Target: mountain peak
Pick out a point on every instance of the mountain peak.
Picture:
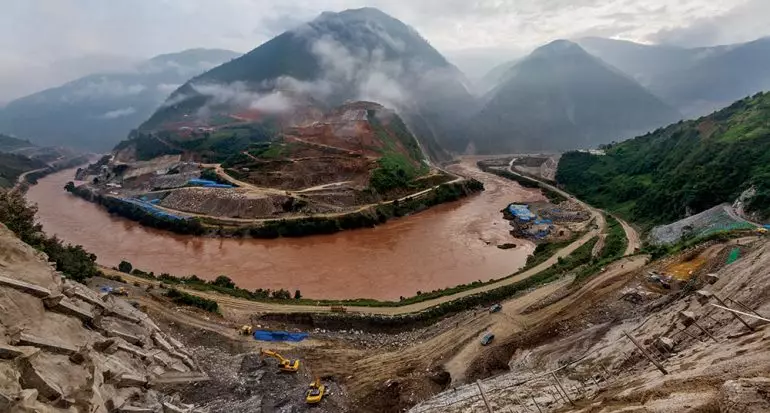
(559, 48)
(363, 13)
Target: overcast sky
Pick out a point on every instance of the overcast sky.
(46, 42)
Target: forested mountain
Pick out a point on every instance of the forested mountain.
(696, 81)
(361, 54)
(561, 97)
(682, 169)
(97, 111)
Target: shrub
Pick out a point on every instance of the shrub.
(182, 298)
(72, 260)
(125, 267)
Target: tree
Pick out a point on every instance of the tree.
(224, 281)
(297, 295)
(18, 216)
(70, 186)
(282, 294)
(125, 267)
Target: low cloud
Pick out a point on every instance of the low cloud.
(119, 113)
(106, 88)
(240, 95)
(167, 88)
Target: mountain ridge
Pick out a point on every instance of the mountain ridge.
(361, 54)
(561, 97)
(96, 111)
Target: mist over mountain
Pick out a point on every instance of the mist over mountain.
(696, 81)
(97, 111)
(561, 97)
(361, 54)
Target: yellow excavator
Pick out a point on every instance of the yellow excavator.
(285, 364)
(245, 330)
(316, 392)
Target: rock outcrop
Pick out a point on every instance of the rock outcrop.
(66, 348)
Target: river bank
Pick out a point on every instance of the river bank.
(368, 217)
(446, 245)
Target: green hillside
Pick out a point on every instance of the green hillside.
(682, 169)
(12, 165)
(10, 144)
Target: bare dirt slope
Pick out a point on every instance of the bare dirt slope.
(584, 345)
(65, 348)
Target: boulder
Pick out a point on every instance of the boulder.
(745, 395)
(31, 378)
(686, 317)
(664, 344)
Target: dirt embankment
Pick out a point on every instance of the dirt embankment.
(581, 339)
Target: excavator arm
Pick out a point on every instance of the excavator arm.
(286, 364)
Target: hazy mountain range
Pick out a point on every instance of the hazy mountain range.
(696, 81)
(562, 96)
(97, 111)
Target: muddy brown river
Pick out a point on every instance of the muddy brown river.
(444, 246)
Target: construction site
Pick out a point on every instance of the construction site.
(684, 332)
(248, 171)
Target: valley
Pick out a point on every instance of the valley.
(337, 219)
(453, 243)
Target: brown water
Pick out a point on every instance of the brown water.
(444, 246)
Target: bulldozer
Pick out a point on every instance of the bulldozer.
(285, 364)
(315, 392)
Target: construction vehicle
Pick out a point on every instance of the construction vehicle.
(285, 364)
(245, 330)
(120, 291)
(316, 392)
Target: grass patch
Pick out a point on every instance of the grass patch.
(182, 298)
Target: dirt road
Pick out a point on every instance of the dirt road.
(23, 177)
(503, 324)
(634, 242)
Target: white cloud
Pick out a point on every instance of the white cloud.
(118, 113)
(240, 95)
(744, 23)
(106, 88)
(167, 88)
(62, 29)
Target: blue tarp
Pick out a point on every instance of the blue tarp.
(267, 335)
(543, 221)
(152, 209)
(767, 226)
(207, 183)
(521, 212)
